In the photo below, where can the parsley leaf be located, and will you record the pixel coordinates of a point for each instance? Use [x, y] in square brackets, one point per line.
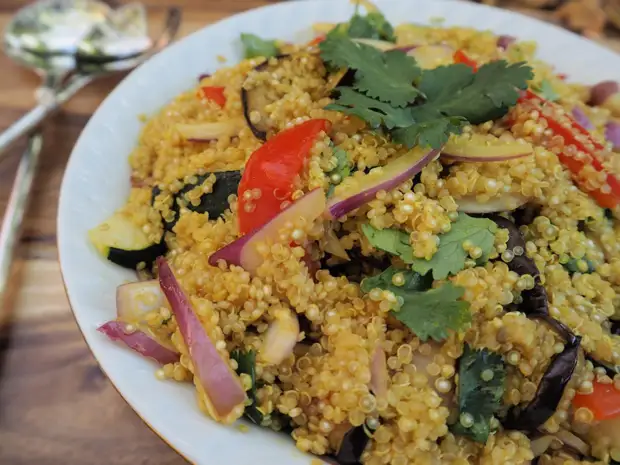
[246, 363]
[393, 241]
[428, 313]
[254, 46]
[481, 387]
[374, 112]
[387, 76]
[413, 281]
[450, 256]
[372, 26]
[545, 89]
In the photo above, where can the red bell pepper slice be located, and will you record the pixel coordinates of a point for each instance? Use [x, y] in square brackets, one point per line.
[576, 135]
[270, 172]
[213, 93]
[317, 40]
[461, 57]
[604, 402]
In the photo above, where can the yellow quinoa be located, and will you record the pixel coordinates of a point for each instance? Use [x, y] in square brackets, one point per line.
[322, 388]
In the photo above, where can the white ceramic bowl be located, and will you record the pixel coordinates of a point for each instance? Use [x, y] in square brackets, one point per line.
[97, 182]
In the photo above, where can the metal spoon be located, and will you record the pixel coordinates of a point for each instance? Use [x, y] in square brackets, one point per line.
[68, 56]
[61, 82]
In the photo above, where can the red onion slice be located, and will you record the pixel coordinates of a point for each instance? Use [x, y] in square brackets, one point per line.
[612, 134]
[505, 41]
[356, 191]
[138, 341]
[600, 92]
[379, 375]
[243, 252]
[582, 118]
[224, 395]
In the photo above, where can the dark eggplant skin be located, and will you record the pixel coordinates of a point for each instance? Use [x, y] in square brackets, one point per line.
[215, 203]
[535, 304]
[246, 97]
[131, 258]
[549, 393]
[352, 447]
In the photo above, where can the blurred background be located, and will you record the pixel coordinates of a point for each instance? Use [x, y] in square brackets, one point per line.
[56, 406]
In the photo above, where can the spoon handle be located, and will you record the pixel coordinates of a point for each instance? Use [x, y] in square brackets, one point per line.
[48, 103]
[16, 207]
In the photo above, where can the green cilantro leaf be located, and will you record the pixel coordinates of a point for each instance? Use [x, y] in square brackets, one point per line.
[432, 133]
[393, 241]
[372, 26]
[545, 89]
[482, 374]
[428, 313]
[579, 265]
[385, 76]
[413, 281]
[254, 46]
[478, 97]
[374, 112]
[246, 363]
[450, 256]
[342, 169]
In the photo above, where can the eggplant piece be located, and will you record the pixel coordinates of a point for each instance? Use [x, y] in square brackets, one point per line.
[535, 304]
[549, 393]
[122, 242]
[214, 203]
[353, 444]
[255, 100]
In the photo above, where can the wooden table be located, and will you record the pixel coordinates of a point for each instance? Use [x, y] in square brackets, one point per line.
[56, 406]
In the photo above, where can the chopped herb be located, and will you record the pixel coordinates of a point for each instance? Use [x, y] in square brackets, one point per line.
[254, 46]
[451, 255]
[387, 76]
[384, 92]
[481, 387]
[428, 313]
[579, 265]
[246, 363]
[411, 281]
[343, 166]
[373, 25]
[545, 89]
[377, 114]
[393, 241]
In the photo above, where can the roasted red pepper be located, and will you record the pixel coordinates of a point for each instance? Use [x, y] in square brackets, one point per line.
[213, 93]
[604, 402]
[461, 57]
[580, 149]
[269, 176]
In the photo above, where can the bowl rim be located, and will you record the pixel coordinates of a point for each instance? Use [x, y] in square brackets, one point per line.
[171, 49]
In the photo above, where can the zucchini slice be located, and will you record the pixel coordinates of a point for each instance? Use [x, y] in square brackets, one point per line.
[214, 203]
[124, 243]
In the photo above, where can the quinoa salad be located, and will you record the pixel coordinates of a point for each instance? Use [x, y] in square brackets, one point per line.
[396, 244]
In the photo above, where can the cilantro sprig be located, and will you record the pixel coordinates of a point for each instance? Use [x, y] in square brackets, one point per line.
[385, 76]
[254, 46]
[393, 241]
[341, 171]
[428, 313]
[420, 107]
[546, 91]
[373, 25]
[482, 375]
[246, 363]
[451, 255]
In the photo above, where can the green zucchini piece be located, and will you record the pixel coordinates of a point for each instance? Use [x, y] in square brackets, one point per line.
[214, 203]
[122, 242]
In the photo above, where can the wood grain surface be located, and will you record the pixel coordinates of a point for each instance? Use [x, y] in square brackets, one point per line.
[56, 406]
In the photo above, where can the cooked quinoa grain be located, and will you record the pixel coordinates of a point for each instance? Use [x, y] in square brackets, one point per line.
[366, 323]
